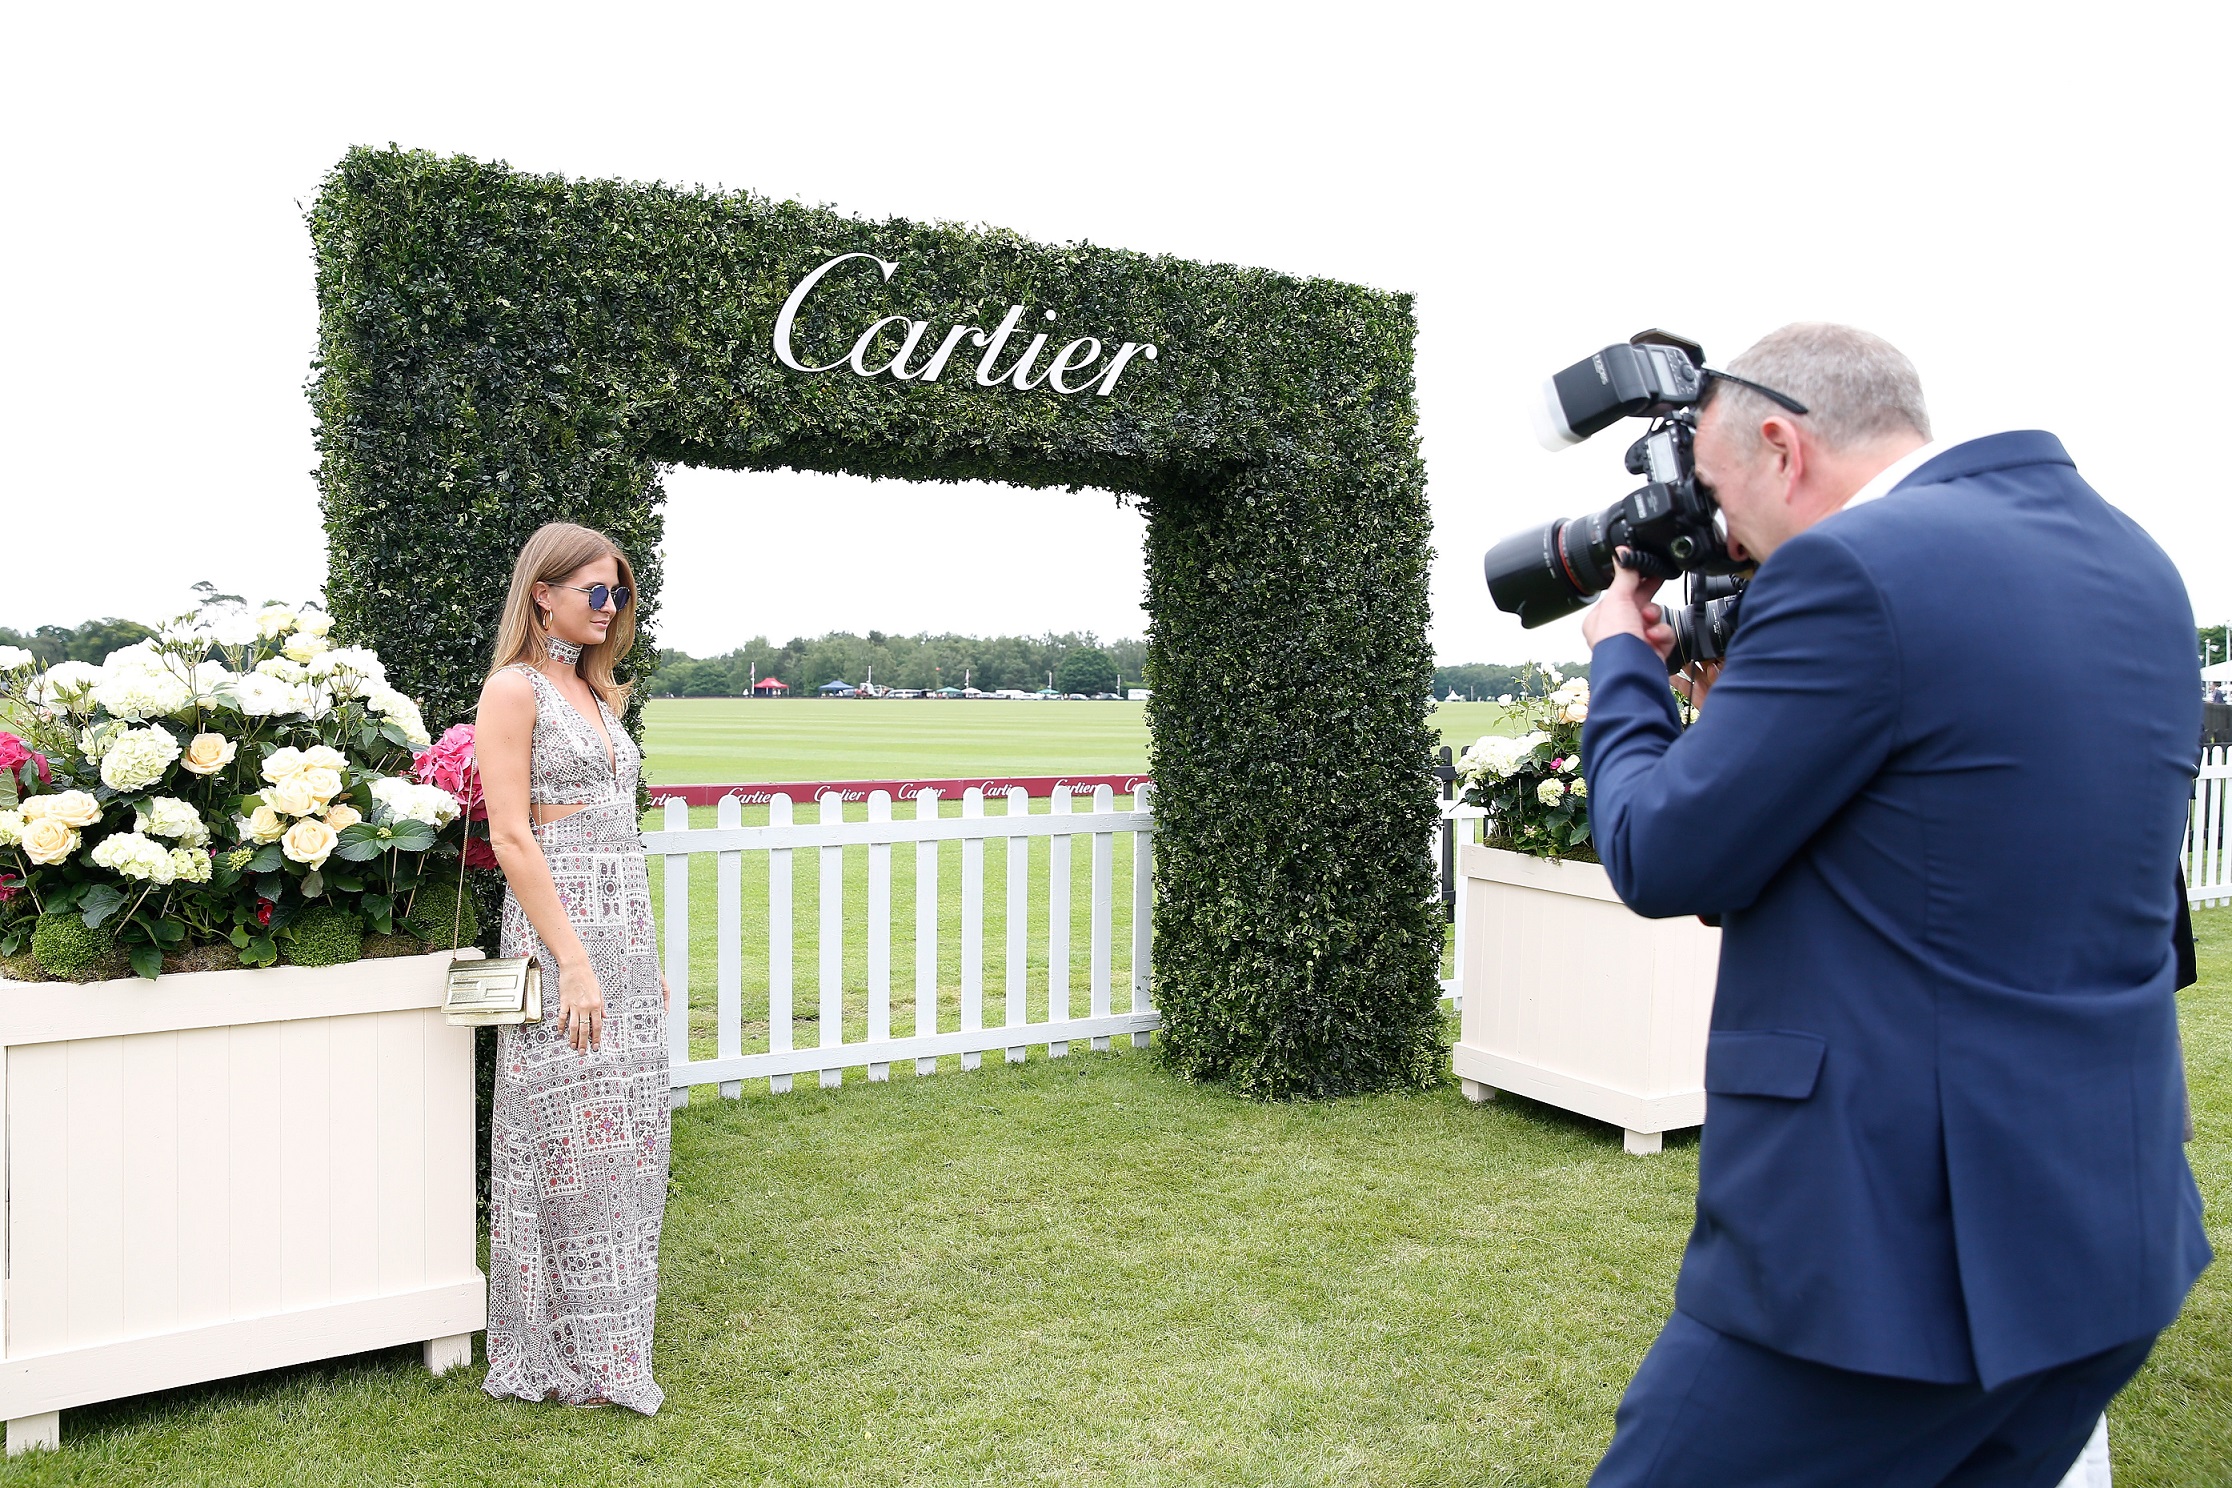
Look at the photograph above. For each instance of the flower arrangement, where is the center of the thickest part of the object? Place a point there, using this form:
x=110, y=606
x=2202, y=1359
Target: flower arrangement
x=234, y=790
x=1530, y=787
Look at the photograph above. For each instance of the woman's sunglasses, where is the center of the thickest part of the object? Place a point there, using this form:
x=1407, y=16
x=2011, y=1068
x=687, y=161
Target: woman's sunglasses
x=619, y=595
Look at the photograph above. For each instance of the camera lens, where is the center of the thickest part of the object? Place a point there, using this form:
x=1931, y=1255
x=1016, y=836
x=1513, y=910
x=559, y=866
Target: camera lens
x=1551, y=571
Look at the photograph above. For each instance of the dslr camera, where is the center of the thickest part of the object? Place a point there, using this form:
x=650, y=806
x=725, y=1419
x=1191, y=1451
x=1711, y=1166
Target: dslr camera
x=1671, y=526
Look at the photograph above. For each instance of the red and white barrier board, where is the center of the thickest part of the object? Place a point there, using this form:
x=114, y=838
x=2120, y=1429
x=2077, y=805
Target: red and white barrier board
x=759, y=794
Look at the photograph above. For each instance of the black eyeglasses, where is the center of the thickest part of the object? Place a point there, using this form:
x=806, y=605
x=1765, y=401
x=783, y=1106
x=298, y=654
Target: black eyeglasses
x=619, y=595
x=1783, y=399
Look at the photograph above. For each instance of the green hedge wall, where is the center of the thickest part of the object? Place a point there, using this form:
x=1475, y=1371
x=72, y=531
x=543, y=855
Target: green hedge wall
x=498, y=350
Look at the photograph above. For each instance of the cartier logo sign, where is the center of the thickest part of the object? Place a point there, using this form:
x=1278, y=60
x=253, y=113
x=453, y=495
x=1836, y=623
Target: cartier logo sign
x=896, y=347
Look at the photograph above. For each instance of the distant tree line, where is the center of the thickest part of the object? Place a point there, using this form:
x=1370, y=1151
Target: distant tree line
x=1488, y=680
x=988, y=663
x=91, y=642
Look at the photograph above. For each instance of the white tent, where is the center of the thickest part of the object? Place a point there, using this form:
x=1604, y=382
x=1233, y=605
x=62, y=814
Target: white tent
x=2221, y=672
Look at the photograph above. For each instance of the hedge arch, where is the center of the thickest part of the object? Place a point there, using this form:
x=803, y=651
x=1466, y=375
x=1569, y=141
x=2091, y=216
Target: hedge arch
x=498, y=349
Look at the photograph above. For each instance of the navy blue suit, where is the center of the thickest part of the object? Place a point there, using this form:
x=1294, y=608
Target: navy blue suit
x=1936, y=797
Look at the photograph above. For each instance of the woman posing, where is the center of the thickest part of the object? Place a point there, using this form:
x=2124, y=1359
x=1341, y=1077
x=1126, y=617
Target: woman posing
x=578, y=1151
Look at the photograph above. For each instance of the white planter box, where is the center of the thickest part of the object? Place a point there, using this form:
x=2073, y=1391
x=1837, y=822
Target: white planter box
x=230, y=1171
x=1573, y=999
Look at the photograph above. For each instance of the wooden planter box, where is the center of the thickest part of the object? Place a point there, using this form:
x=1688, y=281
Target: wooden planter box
x=230, y=1171
x=1573, y=999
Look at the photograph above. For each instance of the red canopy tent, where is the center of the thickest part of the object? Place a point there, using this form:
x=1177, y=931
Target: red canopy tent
x=770, y=685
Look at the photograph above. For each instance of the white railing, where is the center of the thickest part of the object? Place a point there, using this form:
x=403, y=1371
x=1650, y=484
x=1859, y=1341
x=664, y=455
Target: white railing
x=2208, y=866
x=782, y=838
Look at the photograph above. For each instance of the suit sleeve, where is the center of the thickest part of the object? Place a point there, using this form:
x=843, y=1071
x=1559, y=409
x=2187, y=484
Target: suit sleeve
x=1805, y=711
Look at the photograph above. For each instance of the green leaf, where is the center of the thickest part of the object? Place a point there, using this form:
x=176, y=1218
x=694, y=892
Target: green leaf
x=359, y=843
x=239, y=938
x=347, y=883
x=261, y=951
x=99, y=902
x=412, y=836
x=148, y=962
x=169, y=932
x=268, y=859
x=8, y=795
x=393, y=733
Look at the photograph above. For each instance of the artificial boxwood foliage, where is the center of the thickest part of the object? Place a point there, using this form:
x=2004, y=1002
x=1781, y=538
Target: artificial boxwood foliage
x=324, y=935
x=498, y=350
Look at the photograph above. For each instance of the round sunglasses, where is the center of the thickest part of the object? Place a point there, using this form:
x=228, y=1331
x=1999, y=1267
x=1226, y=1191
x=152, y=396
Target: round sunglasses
x=619, y=595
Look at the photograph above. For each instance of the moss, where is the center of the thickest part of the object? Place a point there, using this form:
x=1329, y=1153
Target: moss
x=23, y=967
x=433, y=913
x=70, y=950
x=218, y=957
x=381, y=947
x=323, y=935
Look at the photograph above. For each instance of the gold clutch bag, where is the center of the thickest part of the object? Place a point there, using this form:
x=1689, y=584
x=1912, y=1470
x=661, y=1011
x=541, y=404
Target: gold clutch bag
x=483, y=991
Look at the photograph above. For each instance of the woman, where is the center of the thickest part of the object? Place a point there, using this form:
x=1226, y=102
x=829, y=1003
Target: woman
x=578, y=1150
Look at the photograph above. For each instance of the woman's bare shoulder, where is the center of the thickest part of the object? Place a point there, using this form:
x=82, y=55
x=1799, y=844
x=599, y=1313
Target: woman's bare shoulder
x=510, y=693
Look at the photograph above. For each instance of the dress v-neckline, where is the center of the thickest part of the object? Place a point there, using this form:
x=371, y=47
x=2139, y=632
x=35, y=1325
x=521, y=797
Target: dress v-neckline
x=604, y=733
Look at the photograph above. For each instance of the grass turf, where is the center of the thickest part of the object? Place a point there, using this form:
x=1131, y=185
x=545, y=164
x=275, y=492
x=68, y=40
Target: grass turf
x=731, y=741
x=1085, y=1271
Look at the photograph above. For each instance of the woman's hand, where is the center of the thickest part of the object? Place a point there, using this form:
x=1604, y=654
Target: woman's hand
x=581, y=1009
x=666, y=994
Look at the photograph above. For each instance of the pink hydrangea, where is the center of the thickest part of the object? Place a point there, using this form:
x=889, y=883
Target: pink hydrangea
x=448, y=762
x=13, y=752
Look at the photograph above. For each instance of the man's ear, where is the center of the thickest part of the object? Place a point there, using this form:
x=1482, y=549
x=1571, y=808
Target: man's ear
x=1783, y=448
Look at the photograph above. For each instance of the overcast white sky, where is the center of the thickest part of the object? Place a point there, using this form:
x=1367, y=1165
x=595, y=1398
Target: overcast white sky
x=2025, y=198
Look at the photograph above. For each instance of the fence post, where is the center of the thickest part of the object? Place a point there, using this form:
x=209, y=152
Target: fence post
x=1143, y=910
x=728, y=995
x=926, y=931
x=832, y=939
x=1104, y=900
x=779, y=926
x=1446, y=771
x=972, y=926
x=677, y=908
x=1058, y=922
x=879, y=933
x=1018, y=922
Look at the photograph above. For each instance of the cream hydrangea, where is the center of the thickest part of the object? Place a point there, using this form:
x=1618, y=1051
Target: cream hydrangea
x=138, y=759
x=142, y=692
x=11, y=828
x=15, y=658
x=167, y=816
x=190, y=865
x=66, y=685
x=135, y=856
x=234, y=630
x=409, y=801
x=1497, y=755
x=400, y=711
x=1580, y=790
x=1551, y=791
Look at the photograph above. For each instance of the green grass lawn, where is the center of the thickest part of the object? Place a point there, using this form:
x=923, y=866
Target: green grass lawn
x=1087, y=1271
x=730, y=740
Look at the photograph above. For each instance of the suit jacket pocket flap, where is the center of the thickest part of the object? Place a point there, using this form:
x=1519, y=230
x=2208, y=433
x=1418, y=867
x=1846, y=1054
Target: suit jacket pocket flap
x=1758, y=1061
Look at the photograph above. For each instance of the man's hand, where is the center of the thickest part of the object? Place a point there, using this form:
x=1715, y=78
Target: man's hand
x=1626, y=609
x=1695, y=680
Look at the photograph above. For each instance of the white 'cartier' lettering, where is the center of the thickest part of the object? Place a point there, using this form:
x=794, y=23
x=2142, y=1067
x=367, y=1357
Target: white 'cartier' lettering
x=1076, y=367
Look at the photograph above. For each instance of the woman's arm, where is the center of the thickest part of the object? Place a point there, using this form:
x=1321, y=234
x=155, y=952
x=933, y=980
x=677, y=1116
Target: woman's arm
x=503, y=748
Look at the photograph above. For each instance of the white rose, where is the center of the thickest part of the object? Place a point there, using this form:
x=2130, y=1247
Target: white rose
x=138, y=759
x=72, y=808
x=1550, y=792
x=400, y=711
x=15, y=658
x=341, y=818
x=206, y=754
x=282, y=668
x=308, y=842
x=323, y=784
x=274, y=621
x=313, y=622
x=281, y=763
x=266, y=825
x=293, y=797
x=190, y=865
x=167, y=816
x=46, y=839
x=323, y=757
x=303, y=647
x=1576, y=713
x=135, y=856
x=261, y=696
x=11, y=828
x=233, y=631
x=1570, y=763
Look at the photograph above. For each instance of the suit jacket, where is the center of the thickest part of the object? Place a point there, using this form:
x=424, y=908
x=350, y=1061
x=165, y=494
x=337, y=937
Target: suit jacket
x=1935, y=796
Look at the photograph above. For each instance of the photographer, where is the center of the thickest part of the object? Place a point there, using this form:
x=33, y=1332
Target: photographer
x=1943, y=1206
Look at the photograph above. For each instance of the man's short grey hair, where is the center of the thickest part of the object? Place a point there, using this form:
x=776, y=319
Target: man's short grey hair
x=1857, y=388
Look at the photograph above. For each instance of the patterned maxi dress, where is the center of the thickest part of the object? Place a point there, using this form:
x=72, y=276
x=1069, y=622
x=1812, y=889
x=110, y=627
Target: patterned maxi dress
x=578, y=1150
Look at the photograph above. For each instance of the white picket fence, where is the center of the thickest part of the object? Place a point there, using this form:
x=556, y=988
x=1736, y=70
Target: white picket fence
x=2208, y=866
x=830, y=1055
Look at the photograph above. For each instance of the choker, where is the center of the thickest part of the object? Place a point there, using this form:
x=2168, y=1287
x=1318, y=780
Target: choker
x=565, y=653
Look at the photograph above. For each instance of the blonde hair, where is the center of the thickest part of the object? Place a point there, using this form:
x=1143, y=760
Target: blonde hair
x=549, y=557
